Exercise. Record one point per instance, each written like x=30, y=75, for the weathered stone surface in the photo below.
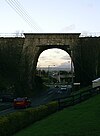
x=19, y=56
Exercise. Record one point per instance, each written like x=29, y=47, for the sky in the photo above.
x=50, y=16
x=54, y=57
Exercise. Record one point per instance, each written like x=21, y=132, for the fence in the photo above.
x=77, y=98
x=17, y=34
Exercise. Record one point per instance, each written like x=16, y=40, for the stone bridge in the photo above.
x=19, y=56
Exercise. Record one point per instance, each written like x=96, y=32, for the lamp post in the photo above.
x=49, y=71
x=71, y=55
x=72, y=71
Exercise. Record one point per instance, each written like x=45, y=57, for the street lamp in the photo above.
x=72, y=71
x=49, y=70
x=71, y=55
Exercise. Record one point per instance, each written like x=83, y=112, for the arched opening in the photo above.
x=55, y=67
x=35, y=44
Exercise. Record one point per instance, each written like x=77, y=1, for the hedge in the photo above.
x=13, y=122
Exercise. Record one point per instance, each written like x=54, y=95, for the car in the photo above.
x=7, y=98
x=56, y=86
x=22, y=102
x=64, y=88
x=59, y=92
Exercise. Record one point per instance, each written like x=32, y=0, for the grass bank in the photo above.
x=80, y=120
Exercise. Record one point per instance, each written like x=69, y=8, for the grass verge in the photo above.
x=79, y=120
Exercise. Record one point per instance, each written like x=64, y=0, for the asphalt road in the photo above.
x=45, y=97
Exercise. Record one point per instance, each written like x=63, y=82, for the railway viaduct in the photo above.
x=19, y=56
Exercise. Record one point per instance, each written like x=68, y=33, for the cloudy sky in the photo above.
x=50, y=16
x=54, y=57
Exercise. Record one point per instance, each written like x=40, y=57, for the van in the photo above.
x=96, y=83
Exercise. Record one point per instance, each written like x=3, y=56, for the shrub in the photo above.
x=13, y=122
x=52, y=107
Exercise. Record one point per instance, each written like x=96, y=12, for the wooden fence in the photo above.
x=77, y=98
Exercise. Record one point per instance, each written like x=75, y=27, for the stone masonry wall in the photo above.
x=10, y=55
x=19, y=56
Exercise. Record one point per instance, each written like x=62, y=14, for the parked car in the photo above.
x=7, y=98
x=22, y=102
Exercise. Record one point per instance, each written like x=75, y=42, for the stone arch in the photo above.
x=35, y=44
x=80, y=49
x=18, y=56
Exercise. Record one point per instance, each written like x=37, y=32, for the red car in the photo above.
x=22, y=102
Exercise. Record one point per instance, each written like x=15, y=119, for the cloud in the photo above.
x=57, y=51
x=53, y=57
x=68, y=28
x=42, y=57
x=64, y=65
x=66, y=57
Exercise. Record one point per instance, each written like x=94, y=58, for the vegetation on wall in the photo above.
x=87, y=60
x=10, y=55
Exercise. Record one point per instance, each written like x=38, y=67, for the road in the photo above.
x=45, y=97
